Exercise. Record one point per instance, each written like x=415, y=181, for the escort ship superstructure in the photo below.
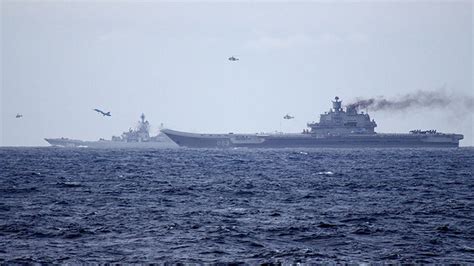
x=133, y=138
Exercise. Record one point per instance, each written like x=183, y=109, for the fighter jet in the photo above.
x=19, y=116
x=102, y=112
x=233, y=58
x=287, y=116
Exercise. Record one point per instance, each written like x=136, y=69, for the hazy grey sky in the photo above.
x=169, y=60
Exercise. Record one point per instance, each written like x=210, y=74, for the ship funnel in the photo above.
x=351, y=109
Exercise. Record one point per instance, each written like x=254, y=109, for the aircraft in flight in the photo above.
x=233, y=58
x=287, y=116
x=18, y=116
x=102, y=112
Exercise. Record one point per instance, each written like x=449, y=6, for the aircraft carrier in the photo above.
x=133, y=138
x=337, y=128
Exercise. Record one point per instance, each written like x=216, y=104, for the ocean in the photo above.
x=61, y=205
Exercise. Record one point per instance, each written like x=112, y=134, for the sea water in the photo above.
x=60, y=205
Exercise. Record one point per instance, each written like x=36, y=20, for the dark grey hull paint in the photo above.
x=193, y=140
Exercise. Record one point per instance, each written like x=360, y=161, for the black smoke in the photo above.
x=419, y=99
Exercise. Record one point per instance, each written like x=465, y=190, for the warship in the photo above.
x=133, y=138
x=337, y=128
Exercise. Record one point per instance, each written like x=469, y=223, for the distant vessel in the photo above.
x=337, y=128
x=133, y=138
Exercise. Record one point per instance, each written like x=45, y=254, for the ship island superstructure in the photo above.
x=336, y=128
x=340, y=122
x=133, y=138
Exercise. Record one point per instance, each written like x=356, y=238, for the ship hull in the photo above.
x=71, y=143
x=193, y=140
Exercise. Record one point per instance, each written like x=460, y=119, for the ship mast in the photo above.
x=337, y=105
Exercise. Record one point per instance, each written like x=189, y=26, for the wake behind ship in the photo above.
x=337, y=128
x=133, y=138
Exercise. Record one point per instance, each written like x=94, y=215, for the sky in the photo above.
x=61, y=59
